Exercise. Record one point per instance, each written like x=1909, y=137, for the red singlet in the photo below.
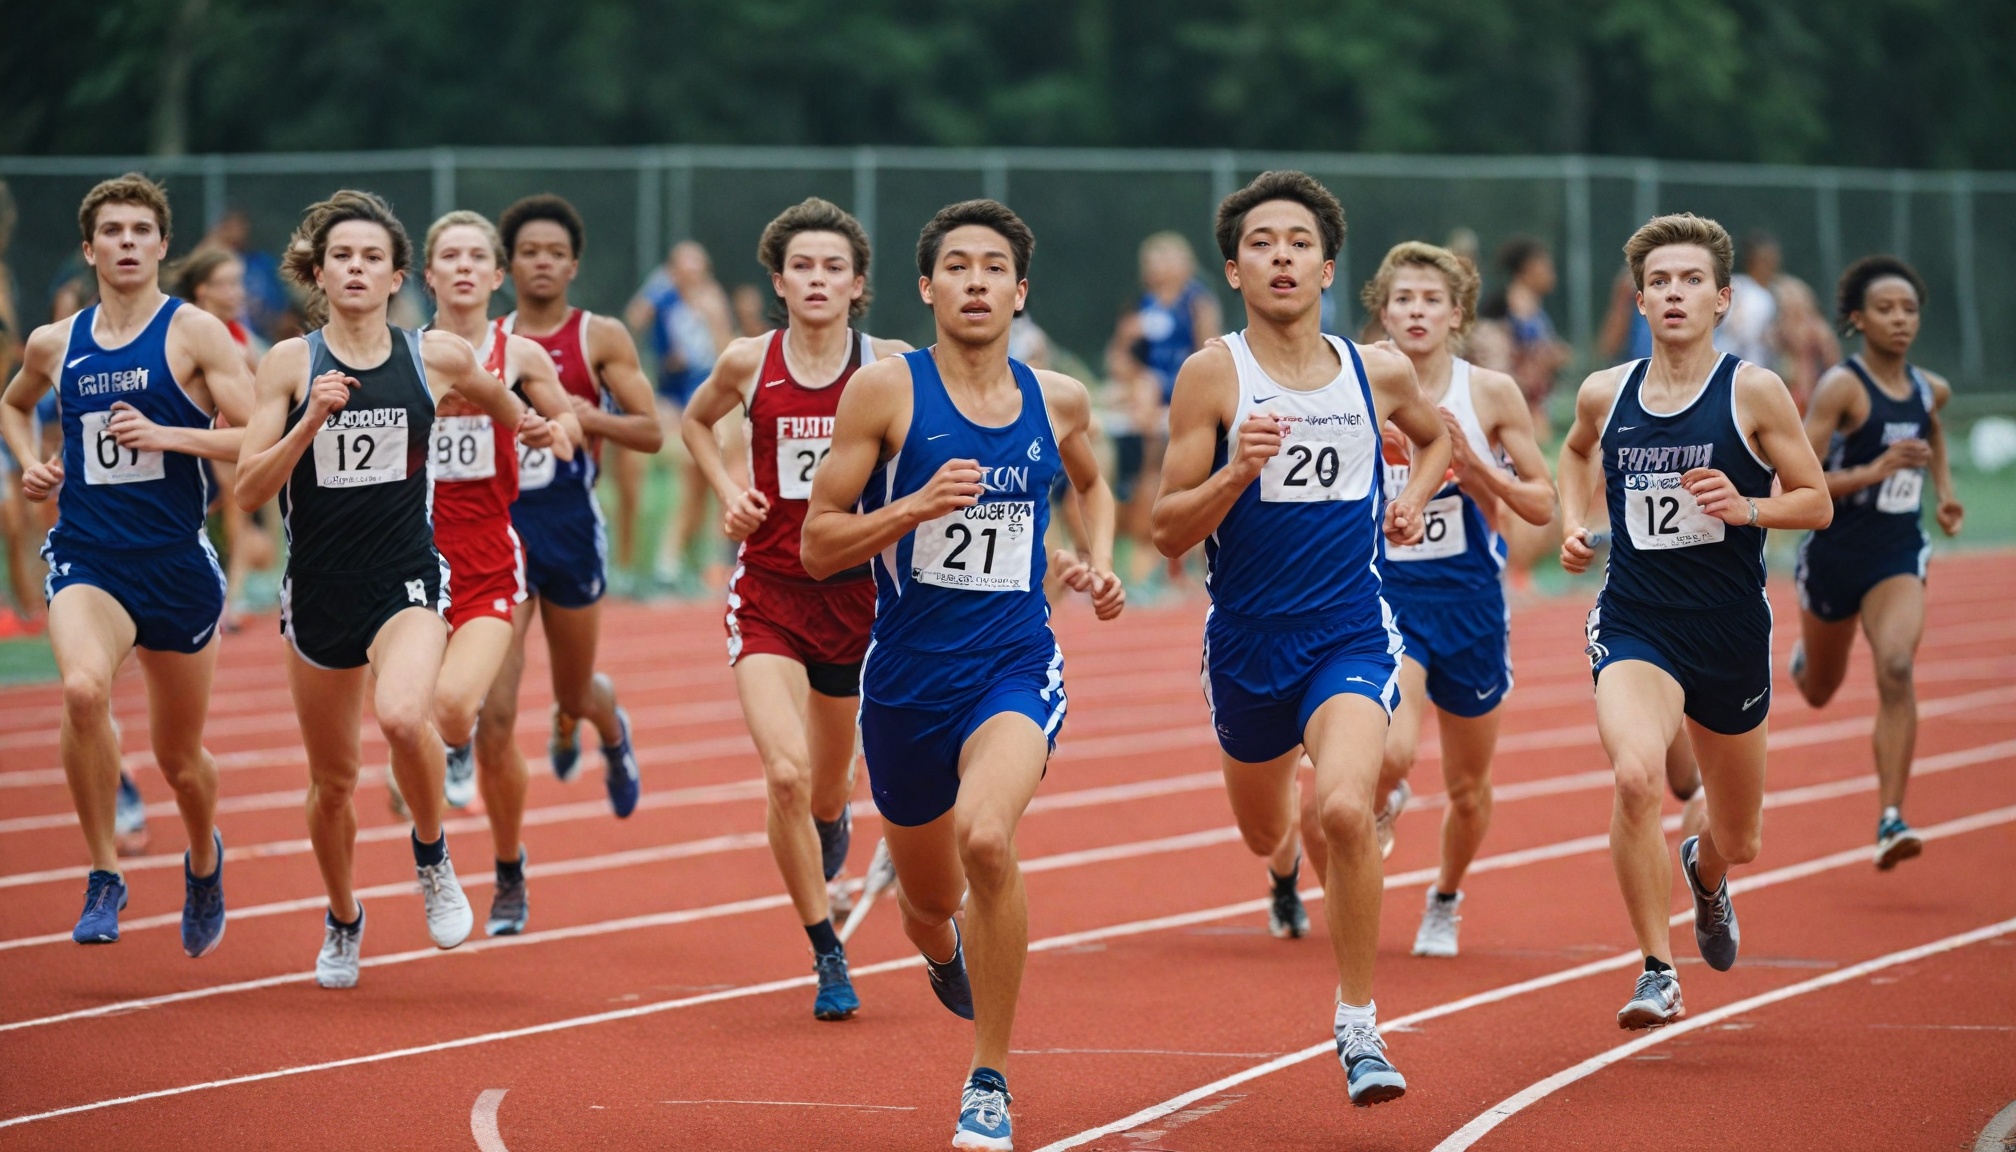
x=790, y=431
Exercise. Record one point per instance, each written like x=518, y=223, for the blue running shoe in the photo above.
x=105, y=898
x=129, y=819
x=834, y=839
x=836, y=1000
x=203, y=905
x=1715, y=929
x=948, y=980
x=619, y=769
x=563, y=747
x=1895, y=842
x=983, y=1112
x=1369, y=1076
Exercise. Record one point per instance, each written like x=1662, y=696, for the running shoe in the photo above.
x=836, y=999
x=203, y=905
x=834, y=839
x=1287, y=919
x=105, y=898
x=948, y=980
x=129, y=818
x=337, y=964
x=1716, y=932
x=983, y=1113
x=1439, y=921
x=1896, y=842
x=1654, y=1003
x=619, y=769
x=448, y=917
x=1368, y=1075
x=458, y=784
x=509, y=909
x=1396, y=802
x=563, y=747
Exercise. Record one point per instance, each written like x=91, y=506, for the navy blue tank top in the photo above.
x=123, y=498
x=972, y=579
x=1664, y=550
x=1882, y=517
x=1168, y=334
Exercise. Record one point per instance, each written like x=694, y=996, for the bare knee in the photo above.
x=331, y=794
x=1641, y=788
x=404, y=723
x=1399, y=758
x=1470, y=798
x=184, y=768
x=988, y=854
x=1347, y=821
x=788, y=785
x=930, y=910
x=86, y=696
x=454, y=715
x=1262, y=838
x=1893, y=676
x=1739, y=847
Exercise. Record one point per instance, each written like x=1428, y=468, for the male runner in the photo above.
x=795, y=643
x=1876, y=418
x=141, y=380
x=1299, y=648
x=566, y=551
x=950, y=453
x=1685, y=444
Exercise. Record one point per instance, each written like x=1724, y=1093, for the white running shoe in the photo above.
x=1439, y=920
x=336, y=965
x=449, y=920
x=458, y=781
x=1396, y=802
x=1655, y=1002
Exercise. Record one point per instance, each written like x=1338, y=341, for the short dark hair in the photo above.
x=813, y=214
x=1514, y=254
x=1853, y=291
x=132, y=188
x=543, y=206
x=1285, y=184
x=985, y=214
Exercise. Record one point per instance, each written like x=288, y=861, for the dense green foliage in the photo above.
x=1923, y=83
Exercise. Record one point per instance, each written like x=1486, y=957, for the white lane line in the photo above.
x=803, y=1104
x=1526, y=1097
x=483, y=1121
x=1623, y=960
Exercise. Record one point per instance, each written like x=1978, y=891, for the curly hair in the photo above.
x=1285, y=184
x=1853, y=291
x=310, y=243
x=1458, y=273
x=813, y=214
x=544, y=206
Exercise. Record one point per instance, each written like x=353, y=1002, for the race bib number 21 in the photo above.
x=985, y=548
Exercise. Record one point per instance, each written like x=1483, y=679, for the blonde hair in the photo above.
x=460, y=218
x=1459, y=273
x=1681, y=228
x=1169, y=242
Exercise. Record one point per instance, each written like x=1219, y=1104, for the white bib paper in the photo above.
x=1322, y=458
x=106, y=462
x=535, y=467
x=1444, y=536
x=357, y=454
x=1661, y=514
x=465, y=448
x=985, y=548
x=797, y=460
x=1900, y=491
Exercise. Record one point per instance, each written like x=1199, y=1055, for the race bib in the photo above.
x=535, y=467
x=797, y=460
x=1444, y=535
x=1322, y=458
x=354, y=449
x=985, y=548
x=106, y=462
x=1900, y=491
x=1661, y=514
x=465, y=448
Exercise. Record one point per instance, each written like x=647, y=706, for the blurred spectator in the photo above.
x=1028, y=342
x=1538, y=355
x=1807, y=344
x=750, y=303
x=1625, y=335
x=266, y=296
x=24, y=568
x=1748, y=330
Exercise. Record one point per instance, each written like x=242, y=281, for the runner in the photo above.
x=795, y=643
x=1299, y=647
x=1448, y=592
x=1876, y=418
x=472, y=527
x=141, y=380
x=557, y=519
x=950, y=453
x=345, y=447
x=1685, y=444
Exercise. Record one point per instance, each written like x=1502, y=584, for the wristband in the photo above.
x=1753, y=512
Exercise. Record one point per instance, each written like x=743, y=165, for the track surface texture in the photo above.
x=662, y=998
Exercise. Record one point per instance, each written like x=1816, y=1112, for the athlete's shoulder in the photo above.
x=1386, y=366
x=1757, y=384
x=517, y=347
x=884, y=349
x=442, y=348
x=197, y=324
x=1213, y=361
x=1494, y=391
x=603, y=332
x=743, y=354
x=46, y=345
x=1064, y=394
x=1942, y=389
x=1837, y=386
x=1598, y=390
x=286, y=362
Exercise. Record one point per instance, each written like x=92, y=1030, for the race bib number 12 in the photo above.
x=353, y=449
x=107, y=462
x=1661, y=514
x=985, y=548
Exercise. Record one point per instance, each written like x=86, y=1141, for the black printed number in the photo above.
x=1327, y=466
x=1438, y=529
x=965, y=537
x=809, y=461
x=362, y=444
x=1661, y=525
x=106, y=445
x=455, y=450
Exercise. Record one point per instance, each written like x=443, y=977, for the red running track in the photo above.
x=662, y=998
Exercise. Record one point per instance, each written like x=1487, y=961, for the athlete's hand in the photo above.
x=586, y=412
x=328, y=393
x=1717, y=496
x=1950, y=515
x=132, y=429
x=1912, y=453
x=1108, y=593
x=1576, y=550
x=535, y=431
x=1464, y=463
x=744, y=514
x=39, y=481
x=1259, y=442
x=955, y=485
x=1405, y=522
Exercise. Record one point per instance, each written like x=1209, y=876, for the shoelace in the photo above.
x=989, y=1105
x=1360, y=1039
x=99, y=894
x=432, y=877
x=831, y=966
x=1651, y=986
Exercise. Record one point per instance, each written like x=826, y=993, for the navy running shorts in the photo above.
x=1833, y=580
x=1465, y=646
x=333, y=621
x=566, y=549
x=1263, y=683
x=1721, y=657
x=175, y=596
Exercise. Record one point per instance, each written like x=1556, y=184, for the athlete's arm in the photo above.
x=1949, y=511
x=887, y=348
x=1398, y=396
x=1508, y=422
x=551, y=424
x=873, y=419
x=1581, y=466
x=1839, y=406
x=1194, y=499
x=40, y=360
x=218, y=374
x=613, y=357
x=1767, y=417
x=744, y=505
x=452, y=363
x=1071, y=419
x=267, y=456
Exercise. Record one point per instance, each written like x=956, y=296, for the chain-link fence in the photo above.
x=1091, y=208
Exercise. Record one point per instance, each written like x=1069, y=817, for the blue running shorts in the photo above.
x=566, y=549
x=1263, y=680
x=175, y=596
x=1465, y=646
x=1721, y=657
x=1833, y=580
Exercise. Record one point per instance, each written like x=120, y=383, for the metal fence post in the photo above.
x=994, y=176
x=650, y=211
x=864, y=197
x=1581, y=274
x=444, y=182
x=1900, y=214
x=1963, y=276
x=213, y=190
x=1224, y=179
x=1827, y=220
x=679, y=195
x=1645, y=191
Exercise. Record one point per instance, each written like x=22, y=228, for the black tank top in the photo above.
x=1882, y=518
x=360, y=500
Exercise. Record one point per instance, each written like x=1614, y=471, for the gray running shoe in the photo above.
x=1655, y=1002
x=1439, y=920
x=1715, y=930
x=458, y=784
x=1368, y=1075
x=509, y=909
x=336, y=965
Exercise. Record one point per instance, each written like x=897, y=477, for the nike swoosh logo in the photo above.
x=1264, y=399
x=1360, y=679
x=939, y=436
x=1486, y=692
x=772, y=383
x=1627, y=427
x=79, y=360
x=1752, y=700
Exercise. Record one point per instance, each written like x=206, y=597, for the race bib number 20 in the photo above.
x=985, y=548
x=1661, y=514
x=1322, y=458
x=108, y=462
x=356, y=448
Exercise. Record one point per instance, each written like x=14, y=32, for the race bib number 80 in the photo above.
x=354, y=449
x=985, y=548
x=1661, y=514
x=107, y=462
x=797, y=460
x=465, y=448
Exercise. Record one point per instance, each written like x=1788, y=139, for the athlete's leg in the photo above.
x=1403, y=735
x=475, y=652
x=1732, y=773
x=1346, y=739
x=178, y=702
x=1824, y=646
x=773, y=690
x=329, y=704
x=999, y=769
x=627, y=470
x=24, y=567
x=1266, y=805
x=572, y=635
x=1638, y=713
x=90, y=635
x=1467, y=746
x=1893, y=617
x=831, y=737
x=930, y=883
x=500, y=766
x=406, y=655
x=1683, y=779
